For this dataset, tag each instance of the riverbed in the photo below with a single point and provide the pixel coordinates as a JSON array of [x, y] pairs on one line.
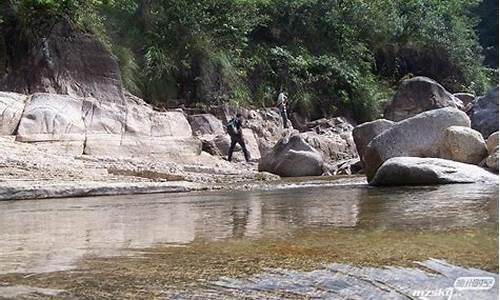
[[163, 245]]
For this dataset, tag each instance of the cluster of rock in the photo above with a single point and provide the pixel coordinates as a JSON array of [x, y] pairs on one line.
[[285, 152], [427, 144]]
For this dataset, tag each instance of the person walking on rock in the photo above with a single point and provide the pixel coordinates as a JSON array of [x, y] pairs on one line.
[[281, 104], [236, 134]]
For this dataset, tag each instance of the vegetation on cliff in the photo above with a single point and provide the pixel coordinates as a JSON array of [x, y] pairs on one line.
[[331, 56]]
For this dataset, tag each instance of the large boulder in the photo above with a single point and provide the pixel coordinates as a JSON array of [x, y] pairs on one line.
[[206, 124], [484, 113], [492, 142], [365, 132], [292, 156], [333, 147], [67, 61], [54, 120], [266, 124], [417, 95], [464, 144], [332, 137], [427, 171], [418, 136], [11, 110], [492, 145]]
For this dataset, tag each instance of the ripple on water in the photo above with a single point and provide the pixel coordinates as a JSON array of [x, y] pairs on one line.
[[54, 234]]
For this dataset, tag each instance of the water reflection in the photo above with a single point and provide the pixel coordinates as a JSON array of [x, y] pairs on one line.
[[46, 235]]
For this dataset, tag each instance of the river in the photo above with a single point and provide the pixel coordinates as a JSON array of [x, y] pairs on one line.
[[55, 236]]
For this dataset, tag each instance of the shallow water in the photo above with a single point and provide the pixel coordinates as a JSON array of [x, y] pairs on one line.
[[50, 235]]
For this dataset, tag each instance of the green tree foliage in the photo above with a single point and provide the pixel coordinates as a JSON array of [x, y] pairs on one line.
[[331, 56], [488, 30]]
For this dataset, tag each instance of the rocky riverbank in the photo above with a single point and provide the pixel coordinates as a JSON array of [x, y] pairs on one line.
[[76, 131], [62, 146]]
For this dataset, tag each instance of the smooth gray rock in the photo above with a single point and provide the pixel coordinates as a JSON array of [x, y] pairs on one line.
[[464, 144], [49, 117], [427, 171], [365, 132], [205, 124], [418, 136], [484, 113], [417, 95], [492, 142], [57, 119], [11, 110], [292, 156]]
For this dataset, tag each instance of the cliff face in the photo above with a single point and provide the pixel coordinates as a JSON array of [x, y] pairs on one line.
[[64, 62], [69, 99]]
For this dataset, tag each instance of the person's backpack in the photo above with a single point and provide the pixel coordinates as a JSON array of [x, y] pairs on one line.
[[231, 127]]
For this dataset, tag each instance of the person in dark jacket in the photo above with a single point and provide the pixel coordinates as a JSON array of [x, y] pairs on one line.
[[236, 134]]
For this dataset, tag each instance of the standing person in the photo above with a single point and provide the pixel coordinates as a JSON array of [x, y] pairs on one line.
[[236, 134], [281, 104]]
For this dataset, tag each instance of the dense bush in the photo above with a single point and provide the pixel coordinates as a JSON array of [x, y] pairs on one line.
[[331, 56]]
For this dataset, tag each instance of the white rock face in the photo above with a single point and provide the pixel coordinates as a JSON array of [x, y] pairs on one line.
[[56, 119], [137, 130], [63, 124], [48, 117], [11, 110]]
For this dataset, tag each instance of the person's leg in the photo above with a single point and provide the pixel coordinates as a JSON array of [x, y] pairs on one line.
[[241, 141], [285, 119], [231, 148]]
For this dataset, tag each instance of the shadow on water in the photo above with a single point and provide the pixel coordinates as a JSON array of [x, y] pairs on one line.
[[49, 235]]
